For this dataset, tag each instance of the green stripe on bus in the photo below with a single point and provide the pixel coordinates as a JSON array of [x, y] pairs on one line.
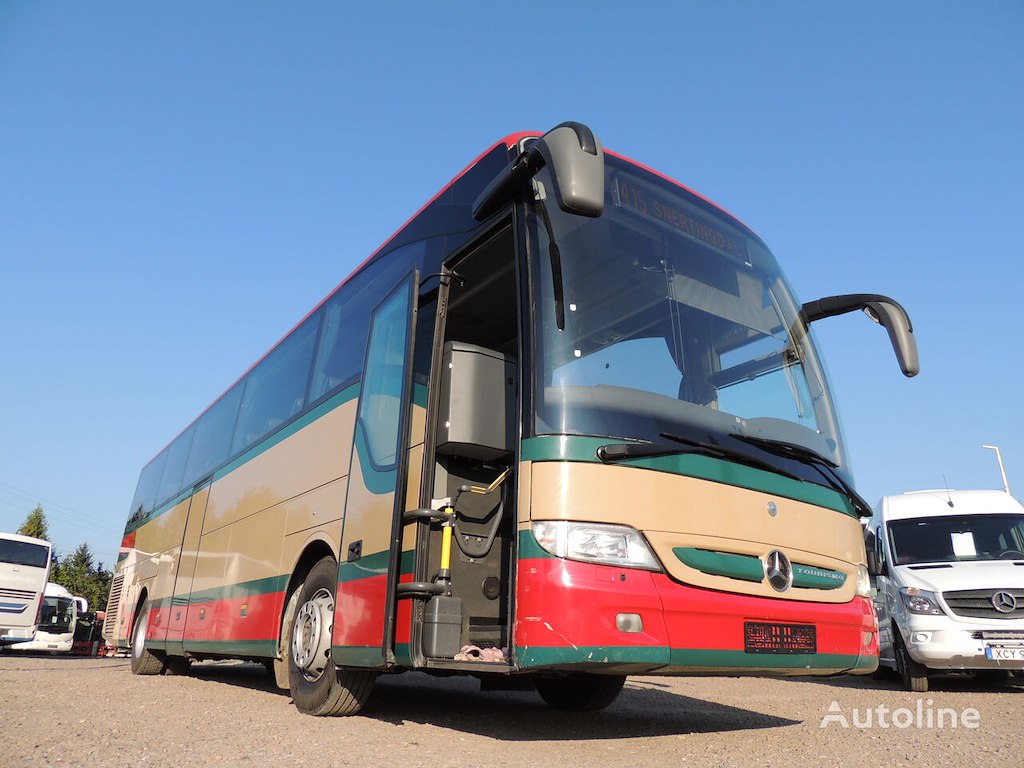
[[745, 567], [265, 586], [534, 656], [358, 655], [663, 656], [265, 648], [584, 449], [529, 549], [813, 577], [706, 657], [376, 564]]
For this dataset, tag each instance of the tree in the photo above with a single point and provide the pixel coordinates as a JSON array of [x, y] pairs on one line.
[[80, 577], [35, 524]]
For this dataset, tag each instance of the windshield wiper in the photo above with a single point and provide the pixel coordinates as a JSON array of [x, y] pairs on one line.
[[613, 452], [824, 466], [721, 452]]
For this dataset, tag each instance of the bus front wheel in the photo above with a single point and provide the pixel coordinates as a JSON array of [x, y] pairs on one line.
[[580, 691], [317, 686], [144, 662]]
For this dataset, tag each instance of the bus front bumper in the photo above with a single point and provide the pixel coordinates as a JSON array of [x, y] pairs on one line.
[[573, 615]]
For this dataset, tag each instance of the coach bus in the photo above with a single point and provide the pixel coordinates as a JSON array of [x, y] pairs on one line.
[[57, 620], [567, 425], [24, 572]]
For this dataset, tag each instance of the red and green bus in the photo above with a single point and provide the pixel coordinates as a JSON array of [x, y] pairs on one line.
[[568, 424]]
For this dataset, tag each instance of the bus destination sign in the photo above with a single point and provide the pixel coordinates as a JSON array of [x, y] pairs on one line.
[[645, 201]]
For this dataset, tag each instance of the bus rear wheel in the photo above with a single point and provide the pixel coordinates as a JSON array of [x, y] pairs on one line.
[[143, 661], [580, 691], [317, 686]]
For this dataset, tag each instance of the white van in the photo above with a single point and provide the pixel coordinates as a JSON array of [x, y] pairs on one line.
[[948, 568]]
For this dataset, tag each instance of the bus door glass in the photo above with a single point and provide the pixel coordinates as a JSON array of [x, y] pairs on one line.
[[369, 550]]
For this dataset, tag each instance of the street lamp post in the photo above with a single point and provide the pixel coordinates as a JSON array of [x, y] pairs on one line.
[[999, 458]]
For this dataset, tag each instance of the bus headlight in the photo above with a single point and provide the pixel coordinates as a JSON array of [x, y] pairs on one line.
[[863, 581], [595, 543]]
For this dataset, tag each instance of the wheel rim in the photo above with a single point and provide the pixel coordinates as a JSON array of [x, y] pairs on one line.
[[311, 636], [139, 641]]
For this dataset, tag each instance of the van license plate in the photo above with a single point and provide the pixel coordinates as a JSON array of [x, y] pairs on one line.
[[1004, 654], [759, 637]]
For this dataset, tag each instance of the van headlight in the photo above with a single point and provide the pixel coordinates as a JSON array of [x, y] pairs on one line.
[[617, 545], [921, 601]]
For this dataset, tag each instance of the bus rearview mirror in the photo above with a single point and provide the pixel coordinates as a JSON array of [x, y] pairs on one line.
[[576, 160], [885, 311]]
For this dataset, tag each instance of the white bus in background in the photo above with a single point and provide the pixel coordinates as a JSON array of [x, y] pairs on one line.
[[949, 572], [57, 620], [24, 573]]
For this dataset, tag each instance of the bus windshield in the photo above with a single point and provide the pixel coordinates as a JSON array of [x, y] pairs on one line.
[[57, 615], [24, 553], [664, 316], [957, 538]]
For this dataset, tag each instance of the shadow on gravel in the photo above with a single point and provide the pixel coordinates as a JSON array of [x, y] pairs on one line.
[[642, 709], [952, 683]]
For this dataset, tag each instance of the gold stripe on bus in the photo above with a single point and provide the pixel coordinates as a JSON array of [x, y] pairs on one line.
[[678, 511]]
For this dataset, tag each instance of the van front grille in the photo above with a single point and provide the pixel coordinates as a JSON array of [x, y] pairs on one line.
[[986, 603]]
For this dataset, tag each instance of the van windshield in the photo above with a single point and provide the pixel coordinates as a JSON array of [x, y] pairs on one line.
[[957, 538]]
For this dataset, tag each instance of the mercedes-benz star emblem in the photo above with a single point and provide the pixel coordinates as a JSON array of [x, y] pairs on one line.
[[778, 571], [1004, 602]]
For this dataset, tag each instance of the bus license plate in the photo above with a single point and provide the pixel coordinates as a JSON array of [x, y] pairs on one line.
[[759, 637], [1004, 654]]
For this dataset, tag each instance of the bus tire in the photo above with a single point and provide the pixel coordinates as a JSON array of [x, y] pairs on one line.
[[317, 686], [580, 691], [280, 667], [914, 675], [143, 662]]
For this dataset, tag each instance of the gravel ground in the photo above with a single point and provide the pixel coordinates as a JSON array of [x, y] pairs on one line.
[[75, 711]]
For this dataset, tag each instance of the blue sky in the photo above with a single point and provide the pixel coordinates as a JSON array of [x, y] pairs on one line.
[[181, 182]]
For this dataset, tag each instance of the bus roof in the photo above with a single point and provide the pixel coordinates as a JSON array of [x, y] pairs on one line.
[[26, 539], [56, 590], [942, 503]]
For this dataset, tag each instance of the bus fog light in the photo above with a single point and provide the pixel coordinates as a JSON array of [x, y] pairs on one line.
[[867, 637], [922, 637], [629, 622]]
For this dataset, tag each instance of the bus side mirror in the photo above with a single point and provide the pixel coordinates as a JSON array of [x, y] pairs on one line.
[[885, 311], [576, 159]]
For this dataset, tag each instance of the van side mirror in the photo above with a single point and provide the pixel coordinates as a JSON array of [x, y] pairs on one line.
[[874, 567], [885, 311], [576, 159]]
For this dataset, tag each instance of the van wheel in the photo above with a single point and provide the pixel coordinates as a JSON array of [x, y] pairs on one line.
[[580, 691], [914, 675], [144, 662], [317, 686]]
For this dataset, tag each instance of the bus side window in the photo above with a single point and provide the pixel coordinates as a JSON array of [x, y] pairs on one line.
[[275, 389]]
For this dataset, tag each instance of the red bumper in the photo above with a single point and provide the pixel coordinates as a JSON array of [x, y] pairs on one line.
[[568, 615]]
